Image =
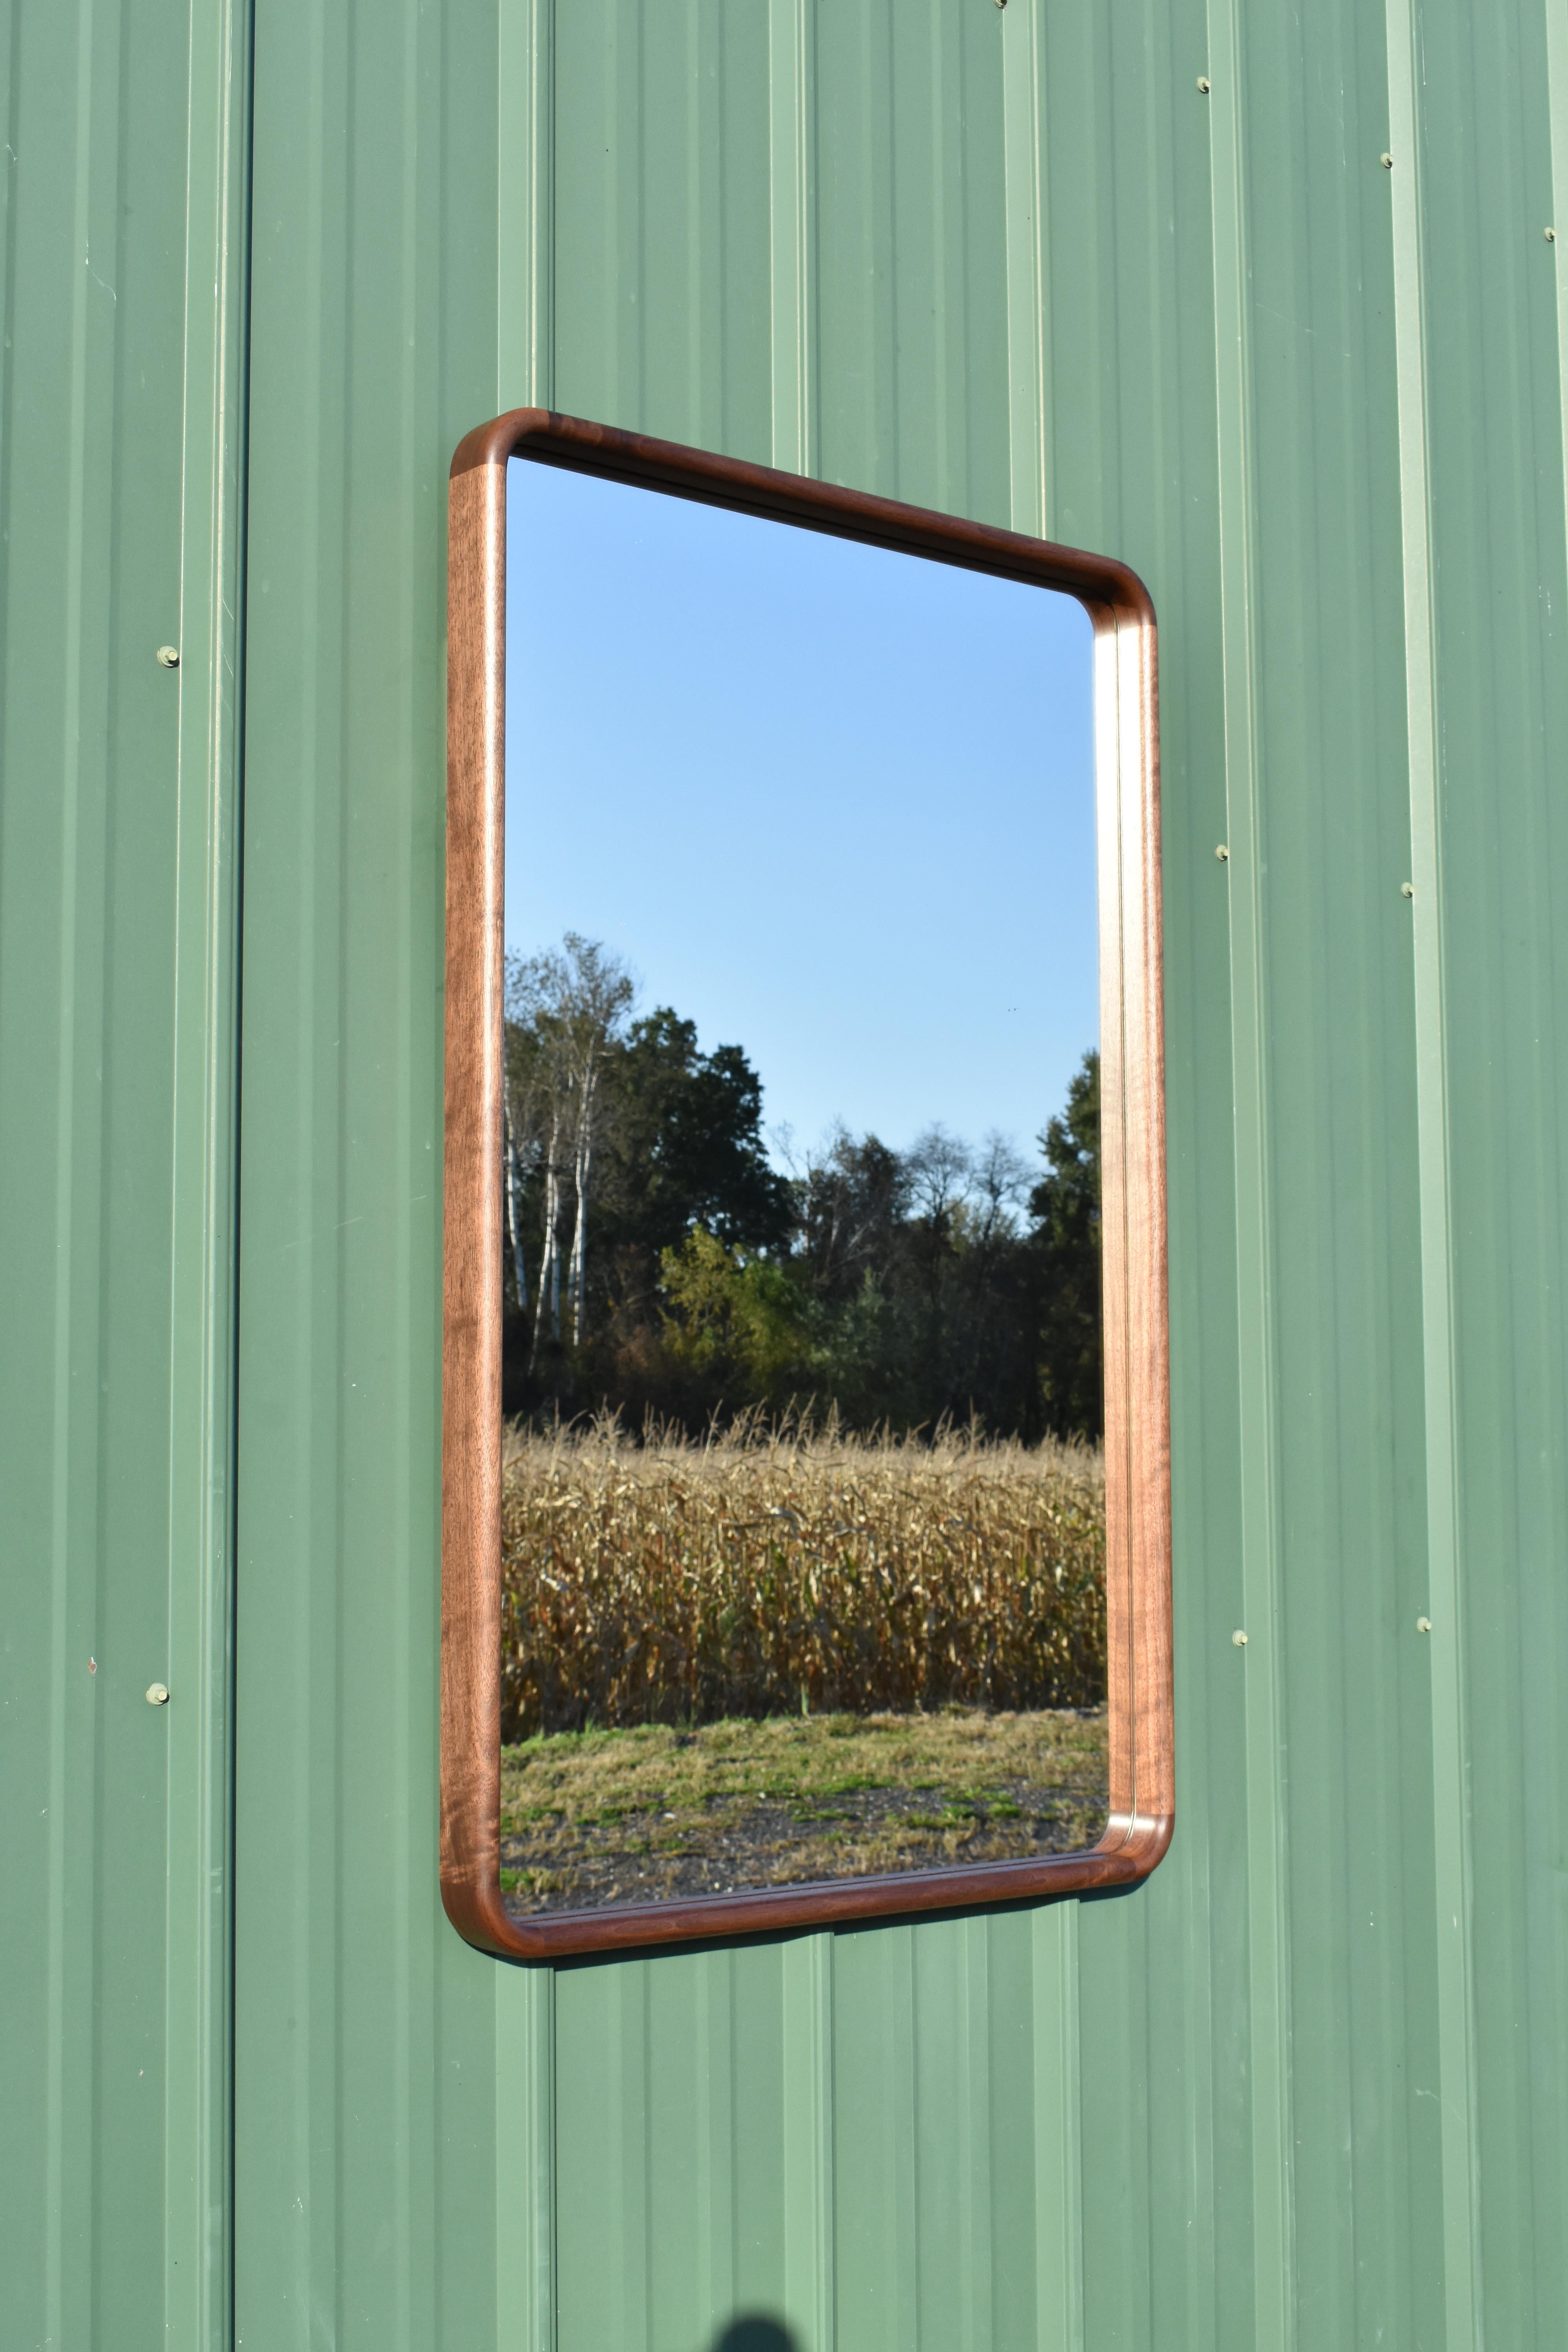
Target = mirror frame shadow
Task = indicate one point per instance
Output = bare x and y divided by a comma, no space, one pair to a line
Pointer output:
1137,1379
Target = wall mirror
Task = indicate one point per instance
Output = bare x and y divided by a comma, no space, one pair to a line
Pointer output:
806,1538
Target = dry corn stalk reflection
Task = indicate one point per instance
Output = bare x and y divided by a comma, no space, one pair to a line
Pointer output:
783,1567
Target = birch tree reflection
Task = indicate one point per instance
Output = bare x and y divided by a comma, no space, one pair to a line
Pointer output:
565,1010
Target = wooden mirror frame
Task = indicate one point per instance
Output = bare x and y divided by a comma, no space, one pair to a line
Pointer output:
1133,1209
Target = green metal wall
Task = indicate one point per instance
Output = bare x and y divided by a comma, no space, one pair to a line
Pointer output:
1308,2087
122,229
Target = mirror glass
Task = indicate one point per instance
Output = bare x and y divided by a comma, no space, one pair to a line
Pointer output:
804,1494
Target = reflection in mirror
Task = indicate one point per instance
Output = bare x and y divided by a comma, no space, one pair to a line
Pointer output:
803,1515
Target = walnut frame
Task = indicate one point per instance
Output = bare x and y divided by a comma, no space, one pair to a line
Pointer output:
1138,1513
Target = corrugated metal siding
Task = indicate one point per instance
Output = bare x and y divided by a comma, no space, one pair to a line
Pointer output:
118,449
1492,142
1262,2049
365,2041
1307,2087
1331,1418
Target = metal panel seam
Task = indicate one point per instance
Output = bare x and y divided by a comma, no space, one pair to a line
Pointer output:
1557,109
73,995
1028,307
810,2215
791,181
1058,2139
1461,2237
198,2151
1274,2296
525,2160
525,249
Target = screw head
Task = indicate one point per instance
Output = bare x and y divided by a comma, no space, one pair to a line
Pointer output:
1550,235
168,656
1386,159
1203,85
1423,1625
1407,889
156,1694
1223,854
1238,1640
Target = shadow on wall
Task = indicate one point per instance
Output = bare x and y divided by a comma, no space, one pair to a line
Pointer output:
754,2334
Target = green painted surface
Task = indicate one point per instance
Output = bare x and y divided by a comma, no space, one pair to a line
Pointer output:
1487,153
118,454
1306,2089
366,2050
